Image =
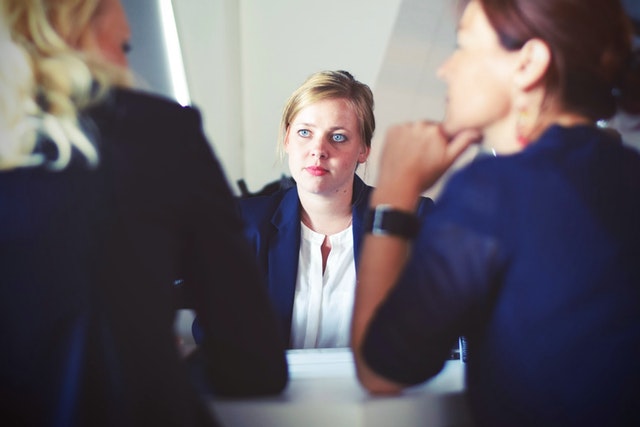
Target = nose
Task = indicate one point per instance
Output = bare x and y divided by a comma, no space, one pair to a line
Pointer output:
319,148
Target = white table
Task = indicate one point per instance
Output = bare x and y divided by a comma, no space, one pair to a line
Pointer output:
324,392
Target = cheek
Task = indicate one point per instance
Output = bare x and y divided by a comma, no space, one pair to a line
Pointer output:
349,161
479,94
496,88
294,155
110,46
113,52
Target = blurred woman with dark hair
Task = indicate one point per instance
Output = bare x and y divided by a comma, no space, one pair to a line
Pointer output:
531,254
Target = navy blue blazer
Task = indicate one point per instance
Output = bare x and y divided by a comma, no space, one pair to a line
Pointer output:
535,258
272,226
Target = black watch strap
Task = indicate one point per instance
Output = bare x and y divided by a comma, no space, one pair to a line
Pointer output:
385,220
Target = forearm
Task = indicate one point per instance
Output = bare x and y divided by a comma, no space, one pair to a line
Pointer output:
382,260
246,359
242,344
414,157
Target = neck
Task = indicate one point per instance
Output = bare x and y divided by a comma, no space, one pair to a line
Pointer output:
326,215
502,136
564,119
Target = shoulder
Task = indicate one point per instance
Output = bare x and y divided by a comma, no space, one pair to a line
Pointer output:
259,210
145,103
134,109
362,193
146,132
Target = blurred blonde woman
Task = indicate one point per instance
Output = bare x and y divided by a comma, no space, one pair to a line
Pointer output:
107,196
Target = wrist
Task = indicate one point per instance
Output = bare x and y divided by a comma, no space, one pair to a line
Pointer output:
386,220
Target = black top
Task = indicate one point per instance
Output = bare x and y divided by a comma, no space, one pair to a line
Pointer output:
88,259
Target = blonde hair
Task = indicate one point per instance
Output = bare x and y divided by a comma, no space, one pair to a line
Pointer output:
46,81
331,85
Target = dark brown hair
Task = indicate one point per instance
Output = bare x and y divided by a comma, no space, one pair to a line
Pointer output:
592,70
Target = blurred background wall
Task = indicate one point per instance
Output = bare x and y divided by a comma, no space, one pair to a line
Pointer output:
243,58
239,60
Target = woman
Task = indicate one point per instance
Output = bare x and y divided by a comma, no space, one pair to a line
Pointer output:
532,254
107,196
307,238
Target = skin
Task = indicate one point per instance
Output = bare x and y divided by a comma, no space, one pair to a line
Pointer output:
110,33
476,75
324,147
487,87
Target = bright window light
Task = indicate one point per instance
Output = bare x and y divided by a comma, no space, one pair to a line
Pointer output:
174,54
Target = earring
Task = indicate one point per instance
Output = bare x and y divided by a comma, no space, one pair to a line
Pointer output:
521,128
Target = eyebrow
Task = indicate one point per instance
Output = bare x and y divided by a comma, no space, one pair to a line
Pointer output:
333,129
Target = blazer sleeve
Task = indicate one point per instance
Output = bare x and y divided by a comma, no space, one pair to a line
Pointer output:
241,348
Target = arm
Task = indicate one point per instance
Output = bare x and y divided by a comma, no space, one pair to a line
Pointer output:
415,156
242,346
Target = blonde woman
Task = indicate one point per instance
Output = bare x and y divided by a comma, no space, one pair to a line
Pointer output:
107,196
307,238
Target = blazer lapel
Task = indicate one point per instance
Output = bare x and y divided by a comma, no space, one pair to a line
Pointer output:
283,257
360,202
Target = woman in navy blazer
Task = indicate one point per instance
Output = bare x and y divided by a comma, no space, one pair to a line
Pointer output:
326,131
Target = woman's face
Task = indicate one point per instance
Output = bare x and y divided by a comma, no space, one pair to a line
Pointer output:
478,76
324,147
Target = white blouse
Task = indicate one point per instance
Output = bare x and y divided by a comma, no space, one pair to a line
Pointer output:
323,304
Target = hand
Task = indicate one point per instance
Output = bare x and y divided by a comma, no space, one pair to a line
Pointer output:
417,154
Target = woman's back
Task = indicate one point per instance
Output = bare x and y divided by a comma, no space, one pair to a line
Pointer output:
89,260
548,275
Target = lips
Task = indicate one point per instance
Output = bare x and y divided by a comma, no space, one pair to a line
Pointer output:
316,170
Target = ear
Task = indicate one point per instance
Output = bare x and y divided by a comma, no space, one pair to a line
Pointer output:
534,59
364,154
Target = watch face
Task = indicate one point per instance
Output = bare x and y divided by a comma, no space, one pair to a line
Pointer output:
384,220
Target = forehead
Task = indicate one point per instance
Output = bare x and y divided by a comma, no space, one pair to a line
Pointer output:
475,24
337,110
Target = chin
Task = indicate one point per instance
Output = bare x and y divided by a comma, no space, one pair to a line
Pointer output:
309,187
449,128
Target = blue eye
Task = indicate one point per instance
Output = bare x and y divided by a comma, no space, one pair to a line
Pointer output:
304,133
337,137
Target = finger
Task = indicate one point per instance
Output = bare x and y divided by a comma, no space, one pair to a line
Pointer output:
429,122
461,142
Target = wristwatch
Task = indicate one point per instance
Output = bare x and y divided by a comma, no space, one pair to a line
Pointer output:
385,220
